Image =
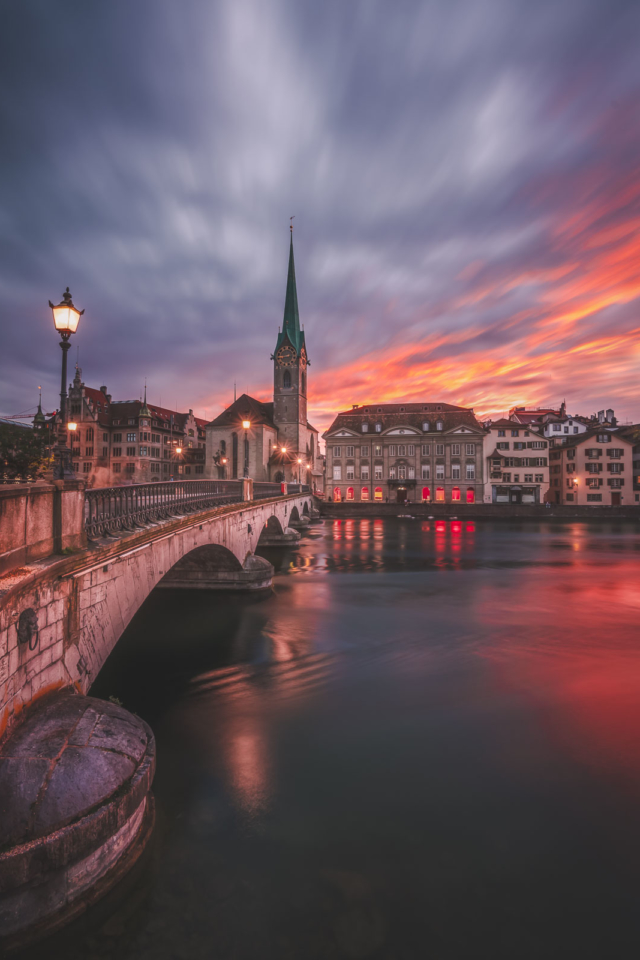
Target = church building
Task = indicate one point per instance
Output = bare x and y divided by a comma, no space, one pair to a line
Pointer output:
279,443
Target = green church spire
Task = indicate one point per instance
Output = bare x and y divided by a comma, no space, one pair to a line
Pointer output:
291,322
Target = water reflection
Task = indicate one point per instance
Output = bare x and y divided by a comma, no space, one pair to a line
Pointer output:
424,743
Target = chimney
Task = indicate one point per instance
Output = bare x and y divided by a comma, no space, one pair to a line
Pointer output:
600,416
610,416
103,389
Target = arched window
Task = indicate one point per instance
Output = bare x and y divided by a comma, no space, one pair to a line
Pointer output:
439,493
455,493
364,493
471,495
426,493
377,495
336,494
286,379
349,493
439,425
313,456
425,426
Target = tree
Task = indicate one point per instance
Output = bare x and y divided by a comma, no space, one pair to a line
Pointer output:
23,451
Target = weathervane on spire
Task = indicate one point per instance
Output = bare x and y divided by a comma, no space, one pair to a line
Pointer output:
291,219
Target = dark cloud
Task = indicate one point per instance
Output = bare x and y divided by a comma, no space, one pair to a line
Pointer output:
442,160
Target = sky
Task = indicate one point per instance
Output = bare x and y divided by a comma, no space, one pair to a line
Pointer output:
464,175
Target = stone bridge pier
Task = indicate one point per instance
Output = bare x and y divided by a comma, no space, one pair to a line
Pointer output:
75,772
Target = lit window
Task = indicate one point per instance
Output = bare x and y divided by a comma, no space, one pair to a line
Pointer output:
364,493
471,495
455,493
349,493
336,494
426,493
439,493
377,493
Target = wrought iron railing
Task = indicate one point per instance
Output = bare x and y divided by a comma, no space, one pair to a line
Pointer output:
263,490
298,488
109,509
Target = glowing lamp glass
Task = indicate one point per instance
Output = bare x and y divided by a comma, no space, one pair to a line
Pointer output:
178,449
246,424
72,426
284,449
66,318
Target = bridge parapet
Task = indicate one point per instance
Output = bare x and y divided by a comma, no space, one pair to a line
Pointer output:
37,520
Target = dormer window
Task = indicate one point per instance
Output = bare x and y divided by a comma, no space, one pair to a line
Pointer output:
401,409
378,428
439,425
365,427
425,426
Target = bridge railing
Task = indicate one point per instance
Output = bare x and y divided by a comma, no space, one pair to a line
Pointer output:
263,490
298,488
109,509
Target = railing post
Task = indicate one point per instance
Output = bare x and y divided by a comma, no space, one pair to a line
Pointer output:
247,488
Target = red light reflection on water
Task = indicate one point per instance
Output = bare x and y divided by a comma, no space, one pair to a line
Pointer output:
577,667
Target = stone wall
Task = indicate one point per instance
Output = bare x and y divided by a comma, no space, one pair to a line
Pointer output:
478,511
38,519
59,624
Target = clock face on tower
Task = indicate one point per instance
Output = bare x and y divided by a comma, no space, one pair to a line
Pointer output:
286,355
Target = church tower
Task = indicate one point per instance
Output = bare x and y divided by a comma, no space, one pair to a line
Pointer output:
290,371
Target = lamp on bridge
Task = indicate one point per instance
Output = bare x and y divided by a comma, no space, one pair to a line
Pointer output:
299,465
65,319
246,426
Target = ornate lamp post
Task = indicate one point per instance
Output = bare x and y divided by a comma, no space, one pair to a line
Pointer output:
246,426
65,319
299,465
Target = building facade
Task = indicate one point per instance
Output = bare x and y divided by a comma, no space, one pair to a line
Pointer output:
279,443
121,442
516,463
594,468
405,452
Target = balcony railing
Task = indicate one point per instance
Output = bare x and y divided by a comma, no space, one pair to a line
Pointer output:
109,509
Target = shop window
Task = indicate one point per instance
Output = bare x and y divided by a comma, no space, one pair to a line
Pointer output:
439,493
471,495
377,495
336,494
426,493
364,493
349,493
455,493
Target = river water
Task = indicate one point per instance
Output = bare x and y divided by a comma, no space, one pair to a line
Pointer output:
424,744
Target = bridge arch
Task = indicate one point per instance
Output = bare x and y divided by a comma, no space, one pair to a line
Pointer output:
81,604
295,514
305,509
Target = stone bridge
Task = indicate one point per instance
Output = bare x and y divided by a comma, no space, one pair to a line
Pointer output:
61,617
76,807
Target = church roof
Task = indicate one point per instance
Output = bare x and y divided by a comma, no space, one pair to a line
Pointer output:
245,408
291,322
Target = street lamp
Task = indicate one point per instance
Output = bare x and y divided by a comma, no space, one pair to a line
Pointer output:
246,425
299,464
65,320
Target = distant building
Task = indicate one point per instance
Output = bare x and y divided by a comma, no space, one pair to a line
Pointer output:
280,434
516,462
131,441
405,452
593,468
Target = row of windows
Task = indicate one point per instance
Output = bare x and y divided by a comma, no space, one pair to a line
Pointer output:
130,468
365,494
520,462
405,450
523,445
404,472
426,427
528,478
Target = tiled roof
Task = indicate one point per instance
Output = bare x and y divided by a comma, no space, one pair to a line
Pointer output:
405,414
245,408
505,424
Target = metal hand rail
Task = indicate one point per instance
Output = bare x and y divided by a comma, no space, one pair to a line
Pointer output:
263,490
298,488
109,509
